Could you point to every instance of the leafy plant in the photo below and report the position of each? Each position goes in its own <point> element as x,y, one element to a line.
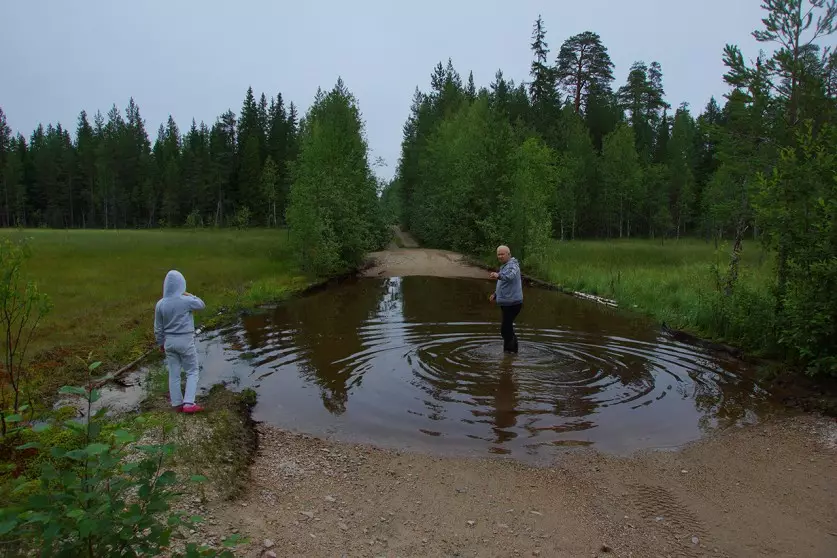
<point>194,220</point>
<point>241,219</point>
<point>106,497</point>
<point>22,306</point>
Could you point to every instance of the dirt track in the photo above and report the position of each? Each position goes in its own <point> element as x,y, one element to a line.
<point>411,260</point>
<point>765,490</point>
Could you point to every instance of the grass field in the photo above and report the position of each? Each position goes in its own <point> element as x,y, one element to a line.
<point>104,284</point>
<point>672,282</point>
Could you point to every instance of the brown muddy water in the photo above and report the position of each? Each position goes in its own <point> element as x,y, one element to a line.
<point>417,362</point>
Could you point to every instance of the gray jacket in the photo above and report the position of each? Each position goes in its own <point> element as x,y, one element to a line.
<point>509,289</point>
<point>173,314</point>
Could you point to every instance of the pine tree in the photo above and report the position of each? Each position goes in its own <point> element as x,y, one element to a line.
<point>642,98</point>
<point>584,64</point>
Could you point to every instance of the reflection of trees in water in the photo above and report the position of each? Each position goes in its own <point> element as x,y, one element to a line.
<point>723,392</point>
<point>589,384</point>
<point>498,394</point>
<point>724,399</point>
<point>428,301</point>
<point>326,329</point>
<point>256,328</point>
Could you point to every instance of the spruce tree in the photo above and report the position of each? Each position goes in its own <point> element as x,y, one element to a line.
<point>471,90</point>
<point>334,213</point>
<point>681,163</point>
<point>6,149</point>
<point>250,179</point>
<point>271,191</point>
<point>542,89</point>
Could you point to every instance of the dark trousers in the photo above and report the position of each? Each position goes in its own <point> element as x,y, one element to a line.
<point>507,328</point>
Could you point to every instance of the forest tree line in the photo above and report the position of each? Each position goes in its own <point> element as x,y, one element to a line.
<point>109,174</point>
<point>571,155</point>
<point>623,163</point>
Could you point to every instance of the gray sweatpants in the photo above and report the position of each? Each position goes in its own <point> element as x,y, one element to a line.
<point>182,355</point>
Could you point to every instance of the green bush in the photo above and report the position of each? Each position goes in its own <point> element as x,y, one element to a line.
<point>102,496</point>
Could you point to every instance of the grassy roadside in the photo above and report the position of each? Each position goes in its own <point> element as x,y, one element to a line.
<point>674,283</point>
<point>104,284</point>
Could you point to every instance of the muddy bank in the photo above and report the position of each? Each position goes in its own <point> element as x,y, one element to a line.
<point>765,490</point>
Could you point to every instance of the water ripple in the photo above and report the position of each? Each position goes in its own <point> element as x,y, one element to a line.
<point>397,361</point>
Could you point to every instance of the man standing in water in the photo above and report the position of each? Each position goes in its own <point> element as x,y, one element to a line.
<point>508,295</point>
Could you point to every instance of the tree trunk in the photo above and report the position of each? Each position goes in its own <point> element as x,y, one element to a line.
<point>621,204</point>
<point>72,217</point>
<point>6,191</point>
<point>735,257</point>
<point>575,214</point>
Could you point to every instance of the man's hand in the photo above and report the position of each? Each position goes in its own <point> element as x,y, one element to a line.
<point>162,349</point>
<point>492,298</point>
<point>187,294</point>
<point>493,275</point>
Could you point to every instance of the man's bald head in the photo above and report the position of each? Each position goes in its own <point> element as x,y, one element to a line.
<point>503,253</point>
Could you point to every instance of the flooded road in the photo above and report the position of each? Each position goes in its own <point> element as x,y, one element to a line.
<point>417,362</point>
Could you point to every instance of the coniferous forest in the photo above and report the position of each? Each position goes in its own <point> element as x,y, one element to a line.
<point>569,154</point>
<point>108,174</point>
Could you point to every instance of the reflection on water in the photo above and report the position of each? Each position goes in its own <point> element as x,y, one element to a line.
<point>418,361</point>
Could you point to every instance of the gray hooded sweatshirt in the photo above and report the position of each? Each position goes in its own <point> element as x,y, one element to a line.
<point>509,289</point>
<point>173,315</point>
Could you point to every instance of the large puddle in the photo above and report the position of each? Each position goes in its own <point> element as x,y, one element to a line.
<point>417,362</point>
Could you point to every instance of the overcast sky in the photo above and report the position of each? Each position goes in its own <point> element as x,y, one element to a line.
<point>196,58</point>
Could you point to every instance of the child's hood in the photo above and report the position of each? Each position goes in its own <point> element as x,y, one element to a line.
<point>174,285</point>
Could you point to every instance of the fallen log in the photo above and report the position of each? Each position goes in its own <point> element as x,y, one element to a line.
<point>116,376</point>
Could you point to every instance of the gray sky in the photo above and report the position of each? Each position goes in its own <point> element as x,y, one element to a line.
<point>196,58</point>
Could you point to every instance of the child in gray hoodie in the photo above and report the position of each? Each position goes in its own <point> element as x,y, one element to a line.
<point>174,328</point>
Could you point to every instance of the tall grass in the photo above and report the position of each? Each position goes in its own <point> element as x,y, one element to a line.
<point>104,284</point>
<point>676,282</point>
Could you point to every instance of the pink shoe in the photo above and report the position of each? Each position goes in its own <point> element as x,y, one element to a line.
<point>177,408</point>
<point>191,408</point>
